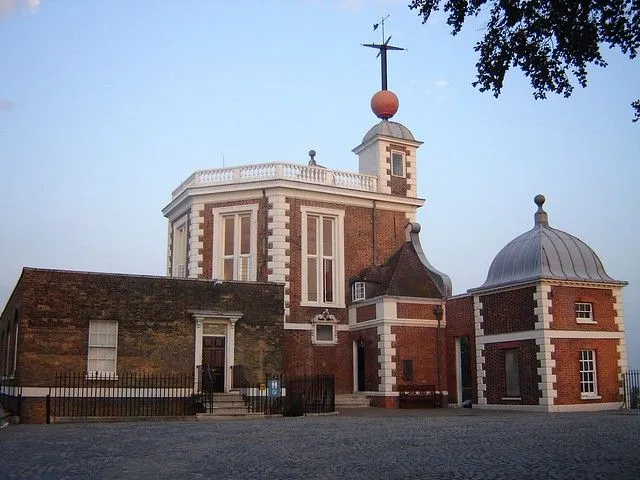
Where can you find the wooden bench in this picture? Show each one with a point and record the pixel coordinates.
(418, 396)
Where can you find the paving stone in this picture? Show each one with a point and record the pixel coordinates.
(372, 445)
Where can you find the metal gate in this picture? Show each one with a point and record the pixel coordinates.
(631, 387)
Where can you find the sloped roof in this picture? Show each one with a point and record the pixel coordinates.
(407, 273)
(545, 253)
(389, 129)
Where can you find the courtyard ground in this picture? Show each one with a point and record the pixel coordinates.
(376, 444)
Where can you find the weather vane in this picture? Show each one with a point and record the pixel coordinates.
(383, 47)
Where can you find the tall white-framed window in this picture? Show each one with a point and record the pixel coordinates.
(322, 257)
(588, 374)
(358, 291)
(584, 312)
(103, 348)
(235, 242)
(179, 248)
(397, 164)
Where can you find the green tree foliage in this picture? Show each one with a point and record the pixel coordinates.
(551, 41)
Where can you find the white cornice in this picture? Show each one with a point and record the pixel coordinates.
(246, 191)
(397, 322)
(539, 334)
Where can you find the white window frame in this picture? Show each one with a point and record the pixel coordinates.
(358, 291)
(180, 248)
(588, 387)
(219, 214)
(394, 173)
(324, 320)
(98, 373)
(584, 312)
(338, 248)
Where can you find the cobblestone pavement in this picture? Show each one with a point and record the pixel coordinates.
(372, 445)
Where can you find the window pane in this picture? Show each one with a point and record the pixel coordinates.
(228, 269)
(243, 268)
(328, 280)
(245, 233)
(512, 372)
(228, 235)
(397, 167)
(327, 237)
(324, 333)
(312, 236)
(312, 279)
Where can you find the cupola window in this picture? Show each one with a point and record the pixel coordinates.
(397, 164)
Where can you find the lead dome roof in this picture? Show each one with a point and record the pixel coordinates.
(389, 129)
(545, 253)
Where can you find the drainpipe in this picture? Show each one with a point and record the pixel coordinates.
(373, 239)
(437, 311)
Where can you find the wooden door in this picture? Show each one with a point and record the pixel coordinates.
(213, 368)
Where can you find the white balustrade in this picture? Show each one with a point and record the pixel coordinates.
(274, 171)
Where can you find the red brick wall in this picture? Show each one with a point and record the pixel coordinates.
(415, 310)
(7, 331)
(366, 312)
(528, 370)
(304, 358)
(33, 410)
(567, 371)
(419, 344)
(460, 323)
(563, 308)
(509, 311)
(155, 330)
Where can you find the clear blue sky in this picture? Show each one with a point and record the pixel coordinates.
(106, 106)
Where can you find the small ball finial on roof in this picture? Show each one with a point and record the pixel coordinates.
(540, 217)
(385, 104)
(312, 155)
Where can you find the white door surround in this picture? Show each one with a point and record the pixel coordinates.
(216, 323)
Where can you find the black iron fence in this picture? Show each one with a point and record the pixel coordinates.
(121, 395)
(292, 396)
(10, 397)
(631, 388)
(144, 394)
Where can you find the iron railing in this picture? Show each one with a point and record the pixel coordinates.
(292, 396)
(631, 389)
(10, 397)
(122, 395)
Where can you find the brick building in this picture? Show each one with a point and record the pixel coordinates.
(113, 324)
(303, 270)
(544, 332)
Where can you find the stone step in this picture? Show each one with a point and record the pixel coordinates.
(228, 416)
(229, 404)
(224, 410)
(352, 401)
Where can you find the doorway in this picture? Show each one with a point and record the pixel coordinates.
(213, 365)
(464, 386)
